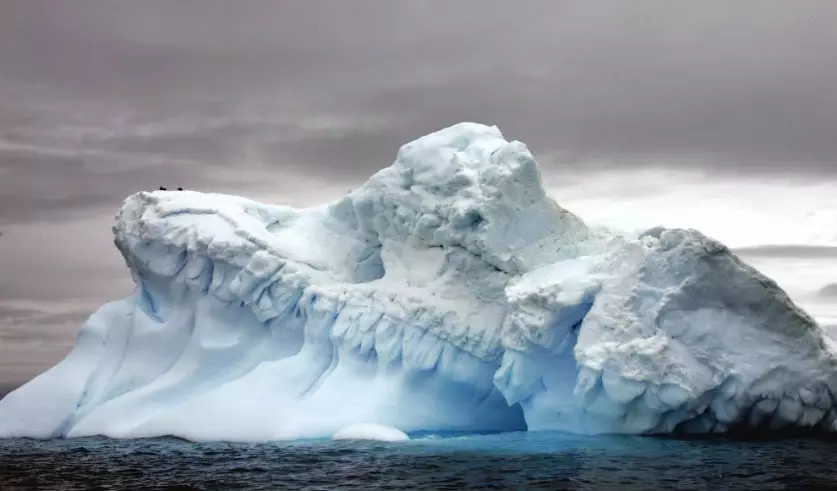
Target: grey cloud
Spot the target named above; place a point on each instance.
(19, 312)
(22, 314)
(34, 335)
(14, 313)
(39, 186)
(828, 291)
(21, 362)
(71, 261)
(788, 251)
(99, 101)
(746, 89)
(34, 331)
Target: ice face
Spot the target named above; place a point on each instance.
(448, 293)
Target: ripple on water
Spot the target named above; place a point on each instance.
(502, 461)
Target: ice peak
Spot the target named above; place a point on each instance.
(466, 186)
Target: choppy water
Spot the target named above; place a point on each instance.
(502, 461)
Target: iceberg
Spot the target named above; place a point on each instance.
(447, 293)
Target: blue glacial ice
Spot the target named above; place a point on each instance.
(448, 293)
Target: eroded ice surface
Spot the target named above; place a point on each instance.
(448, 293)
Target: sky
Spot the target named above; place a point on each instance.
(715, 115)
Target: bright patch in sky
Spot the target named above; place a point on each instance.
(738, 213)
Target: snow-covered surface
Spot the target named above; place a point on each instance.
(371, 431)
(448, 293)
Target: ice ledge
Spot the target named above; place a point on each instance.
(245, 253)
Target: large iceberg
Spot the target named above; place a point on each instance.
(448, 293)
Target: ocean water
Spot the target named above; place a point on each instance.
(499, 461)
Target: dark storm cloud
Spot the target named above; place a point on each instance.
(748, 88)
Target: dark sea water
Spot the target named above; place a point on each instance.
(501, 461)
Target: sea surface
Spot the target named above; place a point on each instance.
(522, 461)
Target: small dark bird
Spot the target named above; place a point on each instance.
(180, 189)
(162, 188)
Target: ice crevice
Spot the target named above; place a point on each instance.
(448, 293)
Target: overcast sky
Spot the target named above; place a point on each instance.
(713, 114)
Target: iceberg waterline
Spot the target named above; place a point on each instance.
(448, 293)
(369, 431)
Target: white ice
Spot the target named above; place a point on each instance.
(371, 431)
(448, 293)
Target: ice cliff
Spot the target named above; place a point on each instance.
(449, 292)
